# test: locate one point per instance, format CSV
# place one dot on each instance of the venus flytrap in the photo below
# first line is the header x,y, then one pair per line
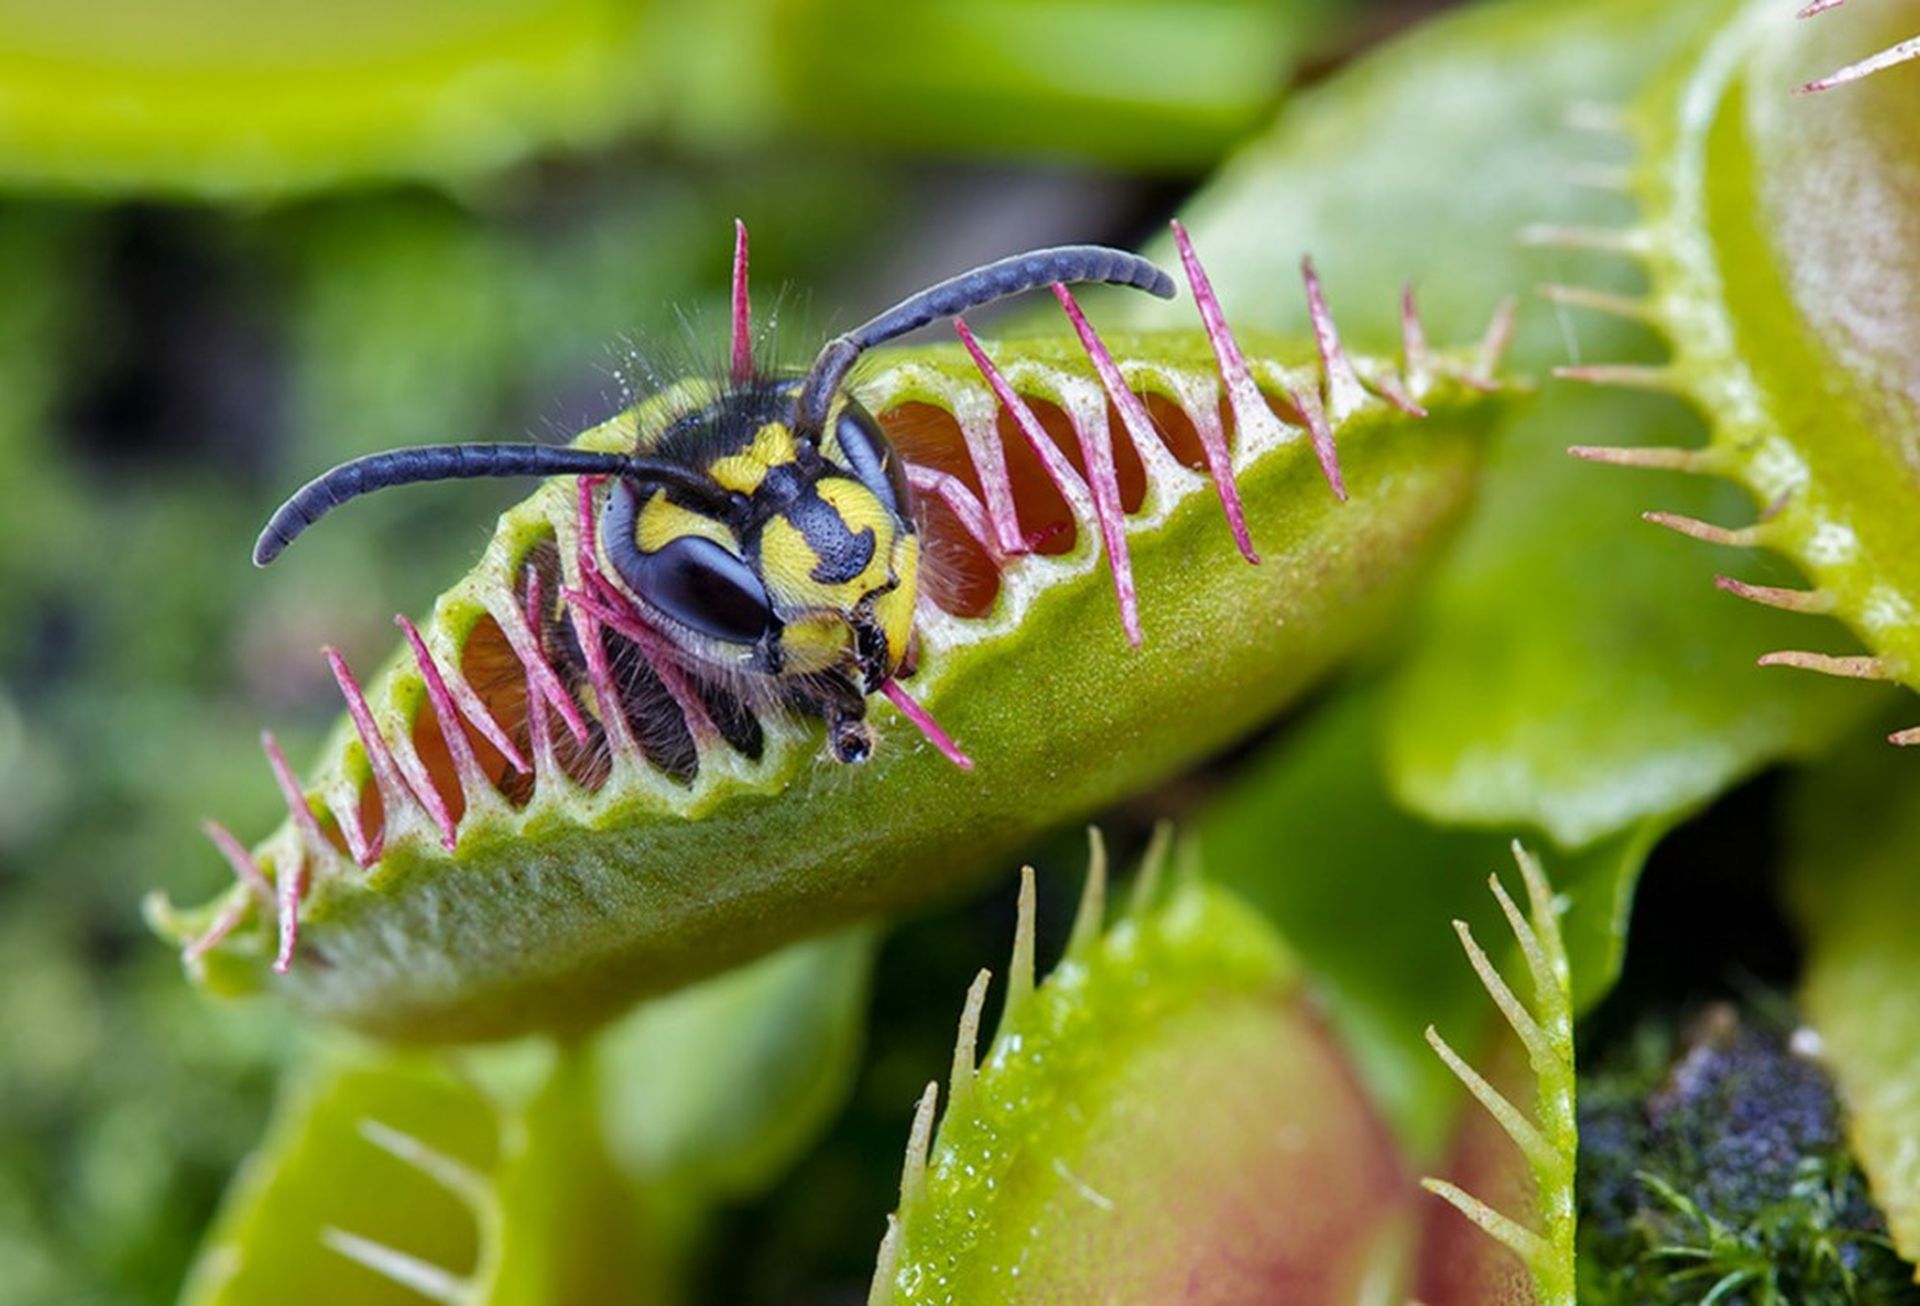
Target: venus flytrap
x,y
1796,348
1549,1142
538,1172
1564,673
1071,1163
486,848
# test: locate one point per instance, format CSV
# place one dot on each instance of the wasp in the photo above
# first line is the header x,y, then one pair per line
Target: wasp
x,y
769,538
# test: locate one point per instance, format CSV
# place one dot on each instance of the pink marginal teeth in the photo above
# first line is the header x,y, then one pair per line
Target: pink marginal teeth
x,y
1101,474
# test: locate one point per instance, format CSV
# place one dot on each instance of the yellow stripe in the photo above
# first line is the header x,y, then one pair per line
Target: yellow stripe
x,y
742,472
662,521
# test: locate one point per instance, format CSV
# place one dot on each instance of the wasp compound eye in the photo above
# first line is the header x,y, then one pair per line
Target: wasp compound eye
x,y
874,462
690,579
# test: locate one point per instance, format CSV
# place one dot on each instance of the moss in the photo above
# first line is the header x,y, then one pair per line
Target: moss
x,y
1714,1166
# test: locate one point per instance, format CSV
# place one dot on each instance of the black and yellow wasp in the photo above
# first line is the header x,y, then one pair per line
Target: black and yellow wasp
x,y
770,537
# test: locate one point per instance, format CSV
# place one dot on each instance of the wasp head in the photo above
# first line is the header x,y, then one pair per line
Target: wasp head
x,y
801,564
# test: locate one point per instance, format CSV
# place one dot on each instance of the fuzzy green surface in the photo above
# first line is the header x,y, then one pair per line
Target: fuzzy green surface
x,y
1161,1113
555,915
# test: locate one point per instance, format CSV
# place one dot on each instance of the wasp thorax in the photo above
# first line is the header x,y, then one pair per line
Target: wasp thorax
x,y
792,559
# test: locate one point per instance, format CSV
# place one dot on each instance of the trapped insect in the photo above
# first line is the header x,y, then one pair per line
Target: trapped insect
x,y
769,539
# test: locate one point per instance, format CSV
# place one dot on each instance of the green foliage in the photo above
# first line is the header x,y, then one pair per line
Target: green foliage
x,y
359,90
1160,83
1566,674
106,98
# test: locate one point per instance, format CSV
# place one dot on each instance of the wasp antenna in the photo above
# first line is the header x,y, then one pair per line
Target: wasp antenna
x,y
454,462
742,312
1060,265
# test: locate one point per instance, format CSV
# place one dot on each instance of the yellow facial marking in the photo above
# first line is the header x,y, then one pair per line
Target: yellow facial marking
x,y
743,471
815,641
787,562
894,609
660,520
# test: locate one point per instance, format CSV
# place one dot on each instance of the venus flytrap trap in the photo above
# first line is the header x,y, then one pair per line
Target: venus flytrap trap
x,y
399,1178
1071,1162
534,813
1563,673
1549,1142
1796,349
541,1172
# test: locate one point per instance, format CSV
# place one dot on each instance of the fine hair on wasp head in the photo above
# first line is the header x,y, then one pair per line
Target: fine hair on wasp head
x,y
769,533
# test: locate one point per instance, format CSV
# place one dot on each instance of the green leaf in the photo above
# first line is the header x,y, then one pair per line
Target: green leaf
x,y
1574,672
563,901
713,1092
1152,84
100,97
1855,850
1073,1164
